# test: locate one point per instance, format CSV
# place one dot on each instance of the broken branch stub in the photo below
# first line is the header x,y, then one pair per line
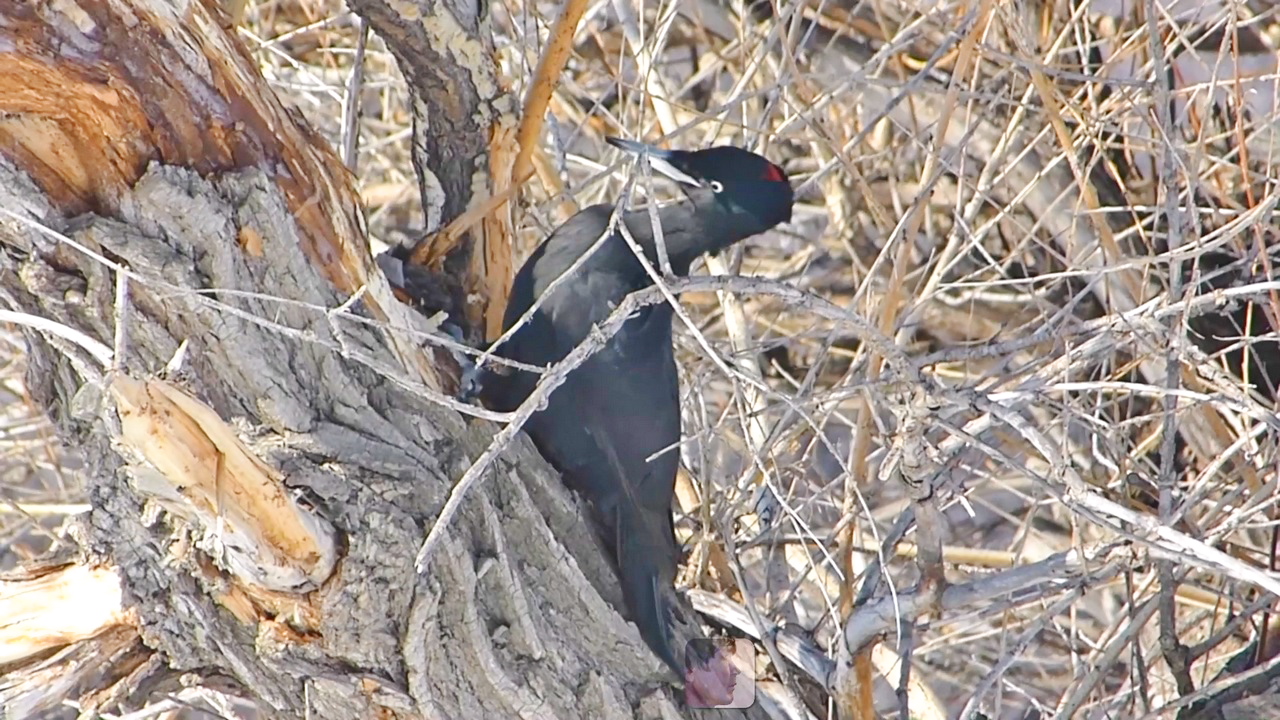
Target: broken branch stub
x,y
44,610
197,468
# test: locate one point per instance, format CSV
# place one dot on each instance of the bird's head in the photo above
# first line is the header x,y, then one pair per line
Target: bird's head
x,y
740,180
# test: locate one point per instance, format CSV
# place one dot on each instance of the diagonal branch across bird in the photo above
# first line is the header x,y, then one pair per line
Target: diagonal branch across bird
x,y
612,429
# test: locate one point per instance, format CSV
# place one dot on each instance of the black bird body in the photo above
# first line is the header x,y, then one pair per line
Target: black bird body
x,y
612,428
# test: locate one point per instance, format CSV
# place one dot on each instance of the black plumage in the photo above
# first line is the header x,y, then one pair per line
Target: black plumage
x,y
612,428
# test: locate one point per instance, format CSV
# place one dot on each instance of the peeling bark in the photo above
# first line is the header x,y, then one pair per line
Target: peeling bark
x,y
265,454
464,128
446,55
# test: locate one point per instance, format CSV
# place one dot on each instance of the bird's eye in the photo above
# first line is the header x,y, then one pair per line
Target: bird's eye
x,y
717,186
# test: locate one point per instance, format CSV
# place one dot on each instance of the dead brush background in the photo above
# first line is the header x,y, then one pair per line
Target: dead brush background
x,y
1058,462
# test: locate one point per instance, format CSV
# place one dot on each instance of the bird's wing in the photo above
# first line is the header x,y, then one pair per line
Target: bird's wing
x,y
587,301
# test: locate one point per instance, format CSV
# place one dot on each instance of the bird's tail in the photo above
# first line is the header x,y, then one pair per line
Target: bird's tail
x,y
646,569
643,540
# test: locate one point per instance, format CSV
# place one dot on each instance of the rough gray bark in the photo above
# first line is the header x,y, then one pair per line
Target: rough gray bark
x,y
263,495
445,51
464,123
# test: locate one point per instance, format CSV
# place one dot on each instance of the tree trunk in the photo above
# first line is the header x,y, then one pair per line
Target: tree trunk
x,y
266,442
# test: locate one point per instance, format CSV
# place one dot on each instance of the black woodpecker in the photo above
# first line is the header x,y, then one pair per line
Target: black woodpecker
x,y
601,427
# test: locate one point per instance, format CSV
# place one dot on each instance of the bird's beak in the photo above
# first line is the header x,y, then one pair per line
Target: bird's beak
x,y
664,161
